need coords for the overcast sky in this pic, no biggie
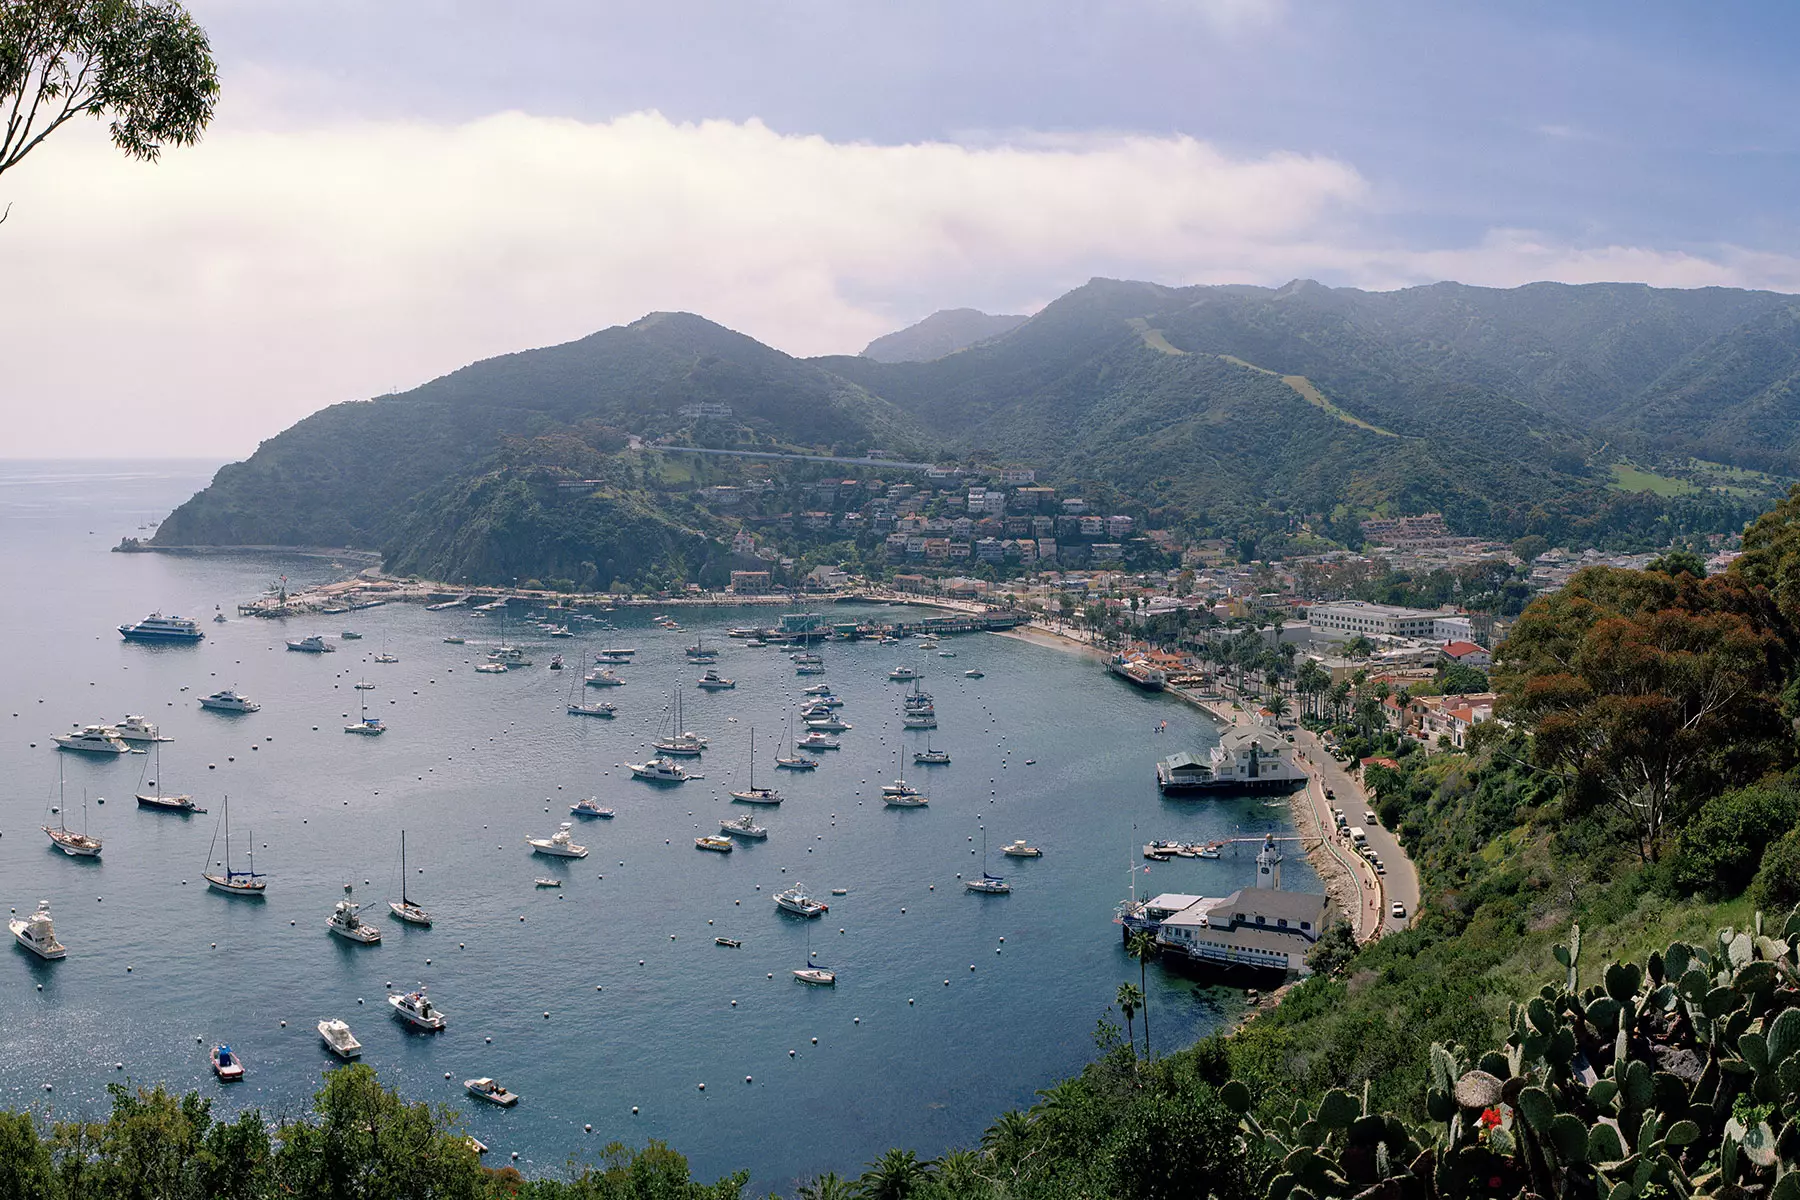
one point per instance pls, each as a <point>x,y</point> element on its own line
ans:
<point>394,189</point>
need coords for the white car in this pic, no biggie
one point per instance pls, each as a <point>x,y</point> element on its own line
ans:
<point>1399,910</point>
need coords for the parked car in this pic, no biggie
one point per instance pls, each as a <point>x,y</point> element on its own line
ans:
<point>1399,910</point>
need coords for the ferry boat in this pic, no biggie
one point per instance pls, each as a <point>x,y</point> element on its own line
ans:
<point>603,678</point>
<point>345,923</point>
<point>590,808</point>
<point>712,681</point>
<point>226,1064</point>
<point>94,739</point>
<point>486,1089</point>
<point>312,645</point>
<point>744,827</point>
<point>602,709</point>
<point>558,845</point>
<point>37,933</point>
<point>660,770</point>
<point>796,901</point>
<point>158,628</point>
<point>417,1010</point>
<point>338,1038</point>
<point>227,700</point>
<point>139,729</point>
<point>720,845</point>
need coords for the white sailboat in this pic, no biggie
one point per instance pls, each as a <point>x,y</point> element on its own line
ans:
<point>225,880</point>
<point>754,794</point>
<point>812,973</point>
<point>404,908</point>
<point>368,726</point>
<point>683,742</point>
<point>75,845</point>
<point>989,884</point>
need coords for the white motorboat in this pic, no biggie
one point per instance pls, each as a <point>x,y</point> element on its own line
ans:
<point>37,933</point>
<point>660,770</point>
<point>490,669</point>
<point>817,976</point>
<point>810,669</point>
<point>338,1038</point>
<point>590,808</point>
<point>158,628</point>
<point>817,740</point>
<point>744,827</point>
<point>509,656</point>
<point>312,645</point>
<point>182,803</point>
<point>1019,849</point>
<point>754,794</point>
<point>220,877</point>
<point>973,674</point>
<point>226,1064</point>
<point>719,845</point>
<point>486,1089</point>
<point>139,729</point>
<point>795,900</point>
<point>615,654</point>
<point>226,700</point>
<point>603,678</point>
<point>946,654</point>
<point>94,739</point>
<point>453,640</point>
<point>558,631</point>
<point>404,908</point>
<point>363,685</point>
<point>925,719</point>
<point>350,635</point>
<point>385,657</point>
<point>828,724</point>
<point>602,709</point>
<point>558,845</point>
<point>817,689</point>
<point>903,674</point>
<point>345,922</point>
<point>712,681</point>
<point>546,882</point>
<point>417,1010</point>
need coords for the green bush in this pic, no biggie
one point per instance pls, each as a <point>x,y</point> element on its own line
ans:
<point>1719,851</point>
<point>1777,883</point>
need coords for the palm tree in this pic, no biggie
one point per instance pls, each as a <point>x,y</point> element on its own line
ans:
<point>826,1187</point>
<point>1278,707</point>
<point>896,1175</point>
<point>958,1173</point>
<point>1129,1000</point>
<point>1008,1140</point>
<point>1142,946</point>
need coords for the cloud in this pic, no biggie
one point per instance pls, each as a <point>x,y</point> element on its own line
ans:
<point>236,286</point>
<point>207,302</point>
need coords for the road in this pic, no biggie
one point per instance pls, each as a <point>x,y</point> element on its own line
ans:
<point>1401,883</point>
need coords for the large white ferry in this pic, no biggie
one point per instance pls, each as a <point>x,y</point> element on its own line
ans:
<point>158,628</point>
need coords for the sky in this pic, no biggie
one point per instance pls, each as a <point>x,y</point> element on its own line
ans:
<point>390,191</point>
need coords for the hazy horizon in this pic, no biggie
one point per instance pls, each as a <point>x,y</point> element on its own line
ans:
<point>387,195</point>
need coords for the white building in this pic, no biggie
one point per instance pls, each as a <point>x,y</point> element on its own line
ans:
<point>1348,618</point>
<point>1260,927</point>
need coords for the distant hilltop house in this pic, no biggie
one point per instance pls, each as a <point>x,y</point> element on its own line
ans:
<point>1466,653</point>
<point>1016,476</point>
<point>705,409</point>
<point>1426,531</point>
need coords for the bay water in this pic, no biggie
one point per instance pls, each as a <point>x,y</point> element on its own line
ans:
<point>608,994</point>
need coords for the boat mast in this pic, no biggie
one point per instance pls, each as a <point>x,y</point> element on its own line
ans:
<point>403,899</point>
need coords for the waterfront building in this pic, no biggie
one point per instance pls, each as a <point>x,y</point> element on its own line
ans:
<point>1261,928</point>
<point>750,583</point>
<point>1348,618</point>
<point>1245,760</point>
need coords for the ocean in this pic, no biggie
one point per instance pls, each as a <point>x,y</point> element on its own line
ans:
<point>604,1003</point>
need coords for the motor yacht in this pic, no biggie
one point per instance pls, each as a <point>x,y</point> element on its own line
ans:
<point>817,976</point>
<point>615,654</point>
<point>139,729</point>
<point>903,674</point>
<point>712,681</point>
<point>226,700</point>
<point>385,657</point>
<point>486,1089</point>
<point>973,674</point>
<point>312,645</point>
<point>744,827</point>
<point>817,689</point>
<point>593,710</point>
<point>546,882</point>
<point>603,678</point>
<point>491,668</point>
<point>338,1038</point>
<point>590,808</point>
<point>733,943</point>
<point>810,669</point>
<point>345,923</point>
<point>1019,849</point>
<point>94,739</point>
<point>795,900</point>
<point>417,1010</point>
<point>350,635</point>
<point>226,1064</point>
<point>158,628</point>
<point>660,770</point>
<point>817,740</point>
<point>828,724</point>
<point>37,933</point>
<point>922,719</point>
<point>721,845</point>
<point>558,845</point>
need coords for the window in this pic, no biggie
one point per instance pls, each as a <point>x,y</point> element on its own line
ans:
<point>1282,923</point>
<point>1306,924</point>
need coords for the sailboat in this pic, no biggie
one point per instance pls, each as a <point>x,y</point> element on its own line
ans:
<point>404,908</point>
<point>578,709</point>
<point>232,883</point>
<point>794,762</point>
<point>989,884</point>
<point>901,794</point>
<point>754,794</point>
<point>368,726</point>
<point>183,803</point>
<point>930,757</point>
<point>815,975</point>
<point>680,741</point>
<point>75,845</point>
